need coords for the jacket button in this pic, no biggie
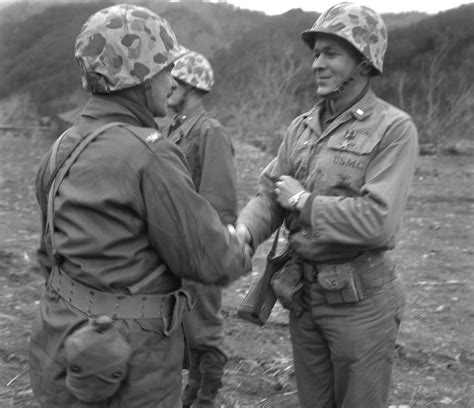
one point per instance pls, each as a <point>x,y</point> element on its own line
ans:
<point>304,233</point>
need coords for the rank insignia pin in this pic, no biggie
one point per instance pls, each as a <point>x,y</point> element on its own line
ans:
<point>152,138</point>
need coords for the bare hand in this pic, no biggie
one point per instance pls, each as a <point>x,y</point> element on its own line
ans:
<point>286,187</point>
<point>243,233</point>
<point>245,239</point>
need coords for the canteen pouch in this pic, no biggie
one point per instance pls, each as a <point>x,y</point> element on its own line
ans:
<point>97,360</point>
<point>340,283</point>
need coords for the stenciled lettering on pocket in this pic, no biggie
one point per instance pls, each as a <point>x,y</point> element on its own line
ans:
<point>345,161</point>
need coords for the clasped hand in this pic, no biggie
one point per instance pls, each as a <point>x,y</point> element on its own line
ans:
<point>243,235</point>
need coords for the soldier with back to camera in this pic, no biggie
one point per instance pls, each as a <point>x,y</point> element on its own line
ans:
<point>122,225</point>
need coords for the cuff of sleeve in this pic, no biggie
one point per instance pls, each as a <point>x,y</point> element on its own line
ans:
<point>305,213</point>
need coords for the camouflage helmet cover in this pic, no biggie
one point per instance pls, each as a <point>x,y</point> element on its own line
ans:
<point>195,70</point>
<point>359,25</point>
<point>122,46</point>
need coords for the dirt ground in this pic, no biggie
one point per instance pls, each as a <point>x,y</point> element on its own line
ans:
<point>434,355</point>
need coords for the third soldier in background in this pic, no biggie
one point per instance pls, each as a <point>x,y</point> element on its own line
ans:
<point>210,154</point>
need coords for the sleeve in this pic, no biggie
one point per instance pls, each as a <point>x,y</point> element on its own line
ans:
<point>263,215</point>
<point>372,219</point>
<point>183,227</point>
<point>218,178</point>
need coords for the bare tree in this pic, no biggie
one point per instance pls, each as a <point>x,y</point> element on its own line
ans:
<point>444,108</point>
<point>264,101</point>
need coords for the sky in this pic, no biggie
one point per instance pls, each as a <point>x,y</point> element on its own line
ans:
<point>393,6</point>
<point>272,7</point>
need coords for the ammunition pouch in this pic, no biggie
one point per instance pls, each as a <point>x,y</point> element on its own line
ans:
<point>350,281</point>
<point>340,283</point>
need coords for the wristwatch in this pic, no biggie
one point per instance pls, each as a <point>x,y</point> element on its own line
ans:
<point>294,199</point>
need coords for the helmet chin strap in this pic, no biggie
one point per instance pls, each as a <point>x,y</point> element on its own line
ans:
<point>149,96</point>
<point>343,84</point>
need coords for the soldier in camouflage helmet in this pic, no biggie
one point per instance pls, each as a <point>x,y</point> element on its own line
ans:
<point>343,175</point>
<point>122,224</point>
<point>360,26</point>
<point>124,46</point>
<point>210,154</point>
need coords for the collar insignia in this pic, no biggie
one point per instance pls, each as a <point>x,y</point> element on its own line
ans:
<point>153,137</point>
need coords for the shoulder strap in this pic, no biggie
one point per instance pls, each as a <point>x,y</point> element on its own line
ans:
<point>59,171</point>
<point>267,273</point>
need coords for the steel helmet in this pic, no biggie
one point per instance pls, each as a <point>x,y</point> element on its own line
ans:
<point>195,70</point>
<point>122,46</point>
<point>359,25</point>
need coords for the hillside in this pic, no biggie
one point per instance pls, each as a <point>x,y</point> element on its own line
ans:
<point>262,67</point>
<point>37,41</point>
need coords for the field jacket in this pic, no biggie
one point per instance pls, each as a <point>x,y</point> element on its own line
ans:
<point>210,154</point>
<point>125,208</point>
<point>358,170</point>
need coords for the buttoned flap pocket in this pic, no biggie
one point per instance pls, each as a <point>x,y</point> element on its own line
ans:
<point>358,141</point>
<point>335,277</point>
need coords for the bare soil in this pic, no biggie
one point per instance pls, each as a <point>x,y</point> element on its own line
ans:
<point>434,355</point>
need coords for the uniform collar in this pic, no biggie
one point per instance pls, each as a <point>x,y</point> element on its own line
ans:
<point>361,109</point>
<point>118,108</point>
<point>186,121</point>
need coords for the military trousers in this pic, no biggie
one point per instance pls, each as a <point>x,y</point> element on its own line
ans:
<point>343,353</point>
<point>203,329</point>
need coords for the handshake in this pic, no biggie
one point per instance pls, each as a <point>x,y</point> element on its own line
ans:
<point>243,235</point>
<point>238,260</point>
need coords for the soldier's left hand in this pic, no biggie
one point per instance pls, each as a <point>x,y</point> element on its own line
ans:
<point>285,188</point>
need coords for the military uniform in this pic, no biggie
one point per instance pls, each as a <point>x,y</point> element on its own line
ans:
<point>118,217</point>
<point>122,225</point>
<point>358,168</point>
<point>209,152</point>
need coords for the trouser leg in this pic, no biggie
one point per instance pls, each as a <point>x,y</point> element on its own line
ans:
<point>194,379</point>
<point>203,327</point>
<point>362,343</point>
<point>212,366</point>
<point>313,367</point>
<point>343,353</point>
